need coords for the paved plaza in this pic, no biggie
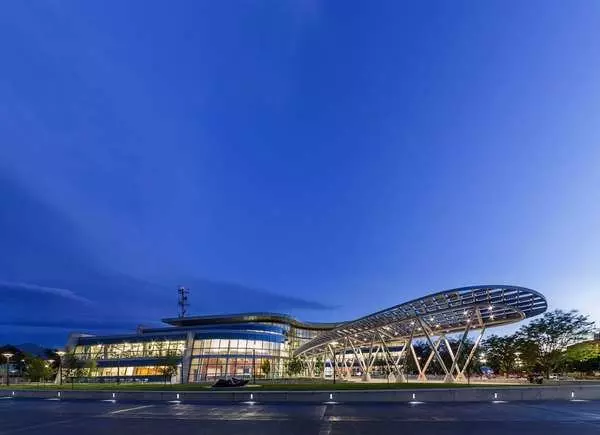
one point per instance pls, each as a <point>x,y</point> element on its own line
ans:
<point>24,416</point>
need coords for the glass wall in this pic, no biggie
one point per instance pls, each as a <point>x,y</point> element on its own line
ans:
<point>126,350</point>
<point>214,358</point>
<point>260,349</point>
<point>224,357</point>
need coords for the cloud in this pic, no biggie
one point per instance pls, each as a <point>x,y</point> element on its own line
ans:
<point>71,325</point>
<point>60,292</point>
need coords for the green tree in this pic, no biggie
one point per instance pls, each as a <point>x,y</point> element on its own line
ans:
<point>38,370</point>
<point>550,336</point>
<point>265,367</point>
<point>319,366</point>
<point>294,366</point>
<point>501,353</point>
<point>583,357</point>
<point>72,368</point>
<point>168,365</point>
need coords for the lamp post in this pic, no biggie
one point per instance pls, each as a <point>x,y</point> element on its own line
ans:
<point>50,363</point>
<point>518,362</point>
<point>60,354</point>
<point>8,356</point>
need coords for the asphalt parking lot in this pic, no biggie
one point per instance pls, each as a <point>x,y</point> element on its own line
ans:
<point>23,416</point>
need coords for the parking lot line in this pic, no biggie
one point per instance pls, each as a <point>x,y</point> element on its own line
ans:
<point>118,411</point>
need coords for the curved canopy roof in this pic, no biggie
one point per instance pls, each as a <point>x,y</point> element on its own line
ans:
<point>246,318</point>
<point>444,312</point>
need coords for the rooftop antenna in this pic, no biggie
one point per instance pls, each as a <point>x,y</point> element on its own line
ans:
<point>183,300</point>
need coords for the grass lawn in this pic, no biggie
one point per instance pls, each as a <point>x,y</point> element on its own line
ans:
<point>329,386</point>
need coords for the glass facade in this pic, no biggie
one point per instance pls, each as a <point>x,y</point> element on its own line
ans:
<point>207,350</point>
<point>130,349</point>
<point>216,358</point>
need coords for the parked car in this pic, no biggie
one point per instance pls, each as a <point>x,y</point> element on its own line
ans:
<point>233,382</point>
<point>535,378</point>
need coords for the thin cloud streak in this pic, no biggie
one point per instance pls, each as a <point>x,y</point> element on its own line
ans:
<point>60,292</point>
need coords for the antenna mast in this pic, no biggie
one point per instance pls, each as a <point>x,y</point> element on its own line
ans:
<point>183,300</point>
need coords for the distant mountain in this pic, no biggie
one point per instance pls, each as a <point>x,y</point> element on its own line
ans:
<point>32,349</point>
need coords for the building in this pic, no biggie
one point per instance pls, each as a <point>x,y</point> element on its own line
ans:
<point>208,347</point>
<point>211,347</point>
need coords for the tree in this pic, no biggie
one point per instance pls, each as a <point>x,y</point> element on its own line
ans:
<point>265,367</point>
<point>73,368</point>
<point>501,353</point>
<point>552,334</point>
<point>319,366</point>
<point>38,370</point>
<point>168,365</point>
<point>583,357</point>
<point>295,366</point>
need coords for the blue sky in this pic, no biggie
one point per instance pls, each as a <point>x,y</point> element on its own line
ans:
<point>325,159</point>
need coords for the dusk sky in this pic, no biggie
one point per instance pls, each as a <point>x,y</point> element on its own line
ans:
<point>325,159</point>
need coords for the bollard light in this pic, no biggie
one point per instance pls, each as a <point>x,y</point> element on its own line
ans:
<point>177,396</point>
<point>495,395</point>
<point>251,396</point>
<point>414,396</point>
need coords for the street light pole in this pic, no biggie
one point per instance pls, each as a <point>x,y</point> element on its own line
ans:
<point>60,354</point>
<point>50,363</point>
<point>8,356</point>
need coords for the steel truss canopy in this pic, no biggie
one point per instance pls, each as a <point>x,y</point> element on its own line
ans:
<point>459,310</point>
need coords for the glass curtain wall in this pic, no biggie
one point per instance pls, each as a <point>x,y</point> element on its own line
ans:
<point>218,358</point>
<point>227,357</point>
<point>127,350</point>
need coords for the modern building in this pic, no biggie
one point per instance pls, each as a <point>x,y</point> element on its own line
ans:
<point>211,347</point>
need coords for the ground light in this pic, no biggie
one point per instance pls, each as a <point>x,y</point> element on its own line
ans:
<point>55,398</point>
<point>496,401</point>
<point>330,401</point>
<point>251,401</point>
<point>573,399</point>
<point>113,400</point>
<point>414,400</point>
<point>176,401</point>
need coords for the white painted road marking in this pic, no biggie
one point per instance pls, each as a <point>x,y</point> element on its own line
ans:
<point>118,411</point>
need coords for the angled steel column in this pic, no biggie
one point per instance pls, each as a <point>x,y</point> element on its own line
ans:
<point>358,355</point>
<point>450,377</point>
<point>399,377</point>
<point>451,353</point>
<point>421,375</point>
<point>472,353</point>
<point>434,349</point>
<point>334,362</point>
<point>401,353</point>
<point>374,357</point>
<point>367,374</point>
<point>344,357</point>
<point>432,354</point>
